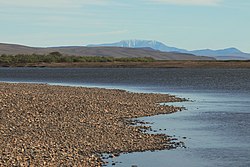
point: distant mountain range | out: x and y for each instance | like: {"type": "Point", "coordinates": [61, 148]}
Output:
{"type": "Point", "coordinates": [131, 48]}
{"type": "Point", "coordinates": [108, 51]}
{"type": "Point", "coordinates": [223, 54]}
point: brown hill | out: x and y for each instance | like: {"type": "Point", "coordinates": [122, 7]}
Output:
{"type": "Point", "coordinates": [13, 49]}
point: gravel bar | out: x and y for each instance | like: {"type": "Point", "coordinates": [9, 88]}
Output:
{"type": "Point", "coordinates": [44, 125]}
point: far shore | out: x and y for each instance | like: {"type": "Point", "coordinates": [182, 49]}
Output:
{"type": "Point", "coordinates": [44, 125]}
{"type": "Point", "coordinates": [156, 64]}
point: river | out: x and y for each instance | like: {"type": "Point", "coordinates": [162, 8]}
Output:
{"type": "Point", "coordinates": [215, 126]}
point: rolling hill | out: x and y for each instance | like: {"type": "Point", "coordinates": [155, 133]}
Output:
{"type": "Point", "coordinates": [107, 51]}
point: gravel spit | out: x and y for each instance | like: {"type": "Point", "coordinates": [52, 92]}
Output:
{"type": "Point", "coordinates": [43, 125]}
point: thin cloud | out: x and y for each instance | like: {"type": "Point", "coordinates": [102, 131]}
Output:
{"type": "Point", "coordinates": [189, 2]}
{"type": "Point", "coordinates": [45, 35]}
{"type": "Point", "coordinates": [105, 33]}
{"type": "Point", "coordinates": [53, 3]}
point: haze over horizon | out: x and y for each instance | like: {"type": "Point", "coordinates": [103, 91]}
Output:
{"type": "Point", "coordinates": [187, 24]}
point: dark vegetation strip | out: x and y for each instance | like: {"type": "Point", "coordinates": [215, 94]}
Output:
{"type": "Point", "coordinates": [56, 57]}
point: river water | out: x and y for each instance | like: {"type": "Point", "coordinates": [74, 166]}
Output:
{"type": "Point", "coordinates": [215, 127]}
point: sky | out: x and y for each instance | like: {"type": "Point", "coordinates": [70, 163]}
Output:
{"type": "Point", "coordinates": [187, 24]}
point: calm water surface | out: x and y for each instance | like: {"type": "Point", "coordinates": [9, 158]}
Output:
{"type": "Point", "coordinates": [215, 125]}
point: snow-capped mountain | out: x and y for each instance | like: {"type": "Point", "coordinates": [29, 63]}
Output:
{"type": "Point", "coordinates": [156, 45]}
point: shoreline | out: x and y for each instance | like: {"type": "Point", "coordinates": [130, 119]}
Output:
{"type": "Point", "coordinates": [53, 125]}
{"type": "Point", "coordinates": [156, 64]}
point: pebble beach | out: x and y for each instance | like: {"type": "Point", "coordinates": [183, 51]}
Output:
{"type": "Point", "coordinates": [44, 125]}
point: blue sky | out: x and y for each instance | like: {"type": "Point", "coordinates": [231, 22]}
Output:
{"type": "Point", "coordinates": [188, 24]}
